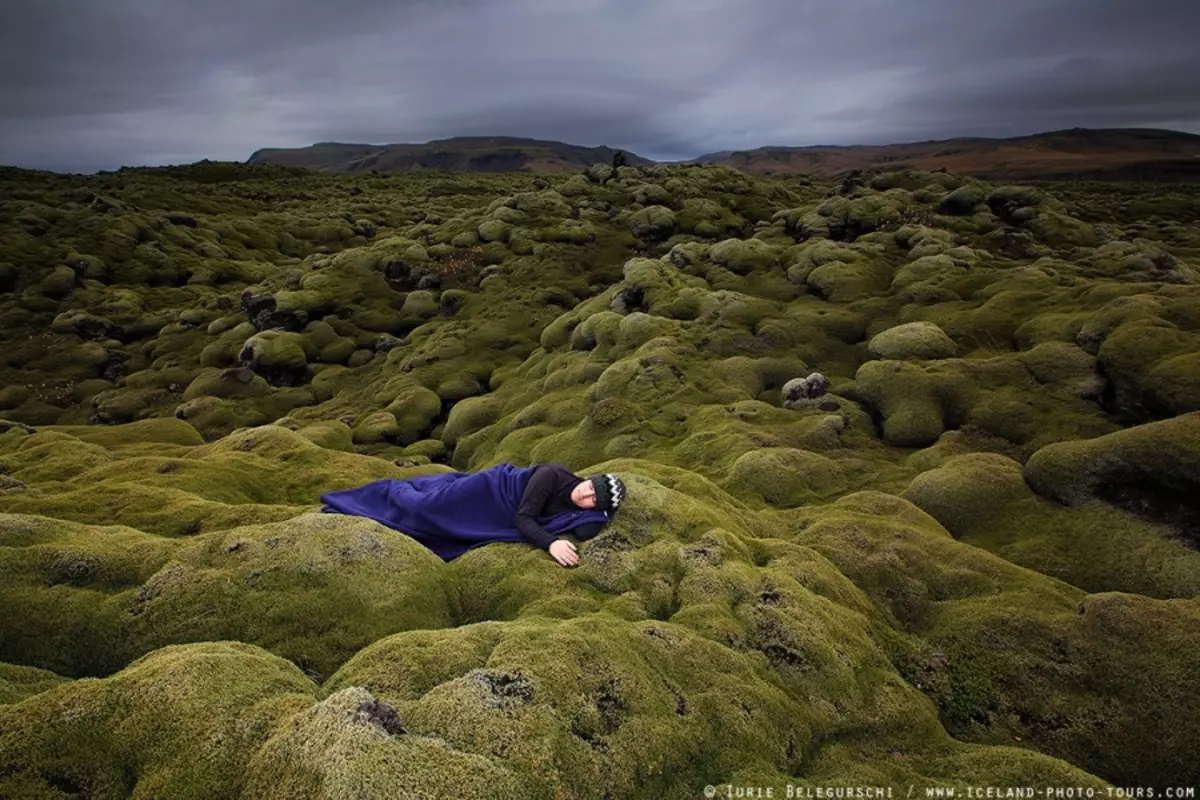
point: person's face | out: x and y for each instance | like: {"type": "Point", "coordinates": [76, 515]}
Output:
{"type": "Point", "coordinates": [584, 495]}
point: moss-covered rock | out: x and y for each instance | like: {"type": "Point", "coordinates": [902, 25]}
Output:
{"type": "Point", "coordinates": [846, 219]}
{"type": "Point", "coordinates": [786, 476]}
{"type": "Point", "coordinates": [17, 682]}
{"type": "Point", "coordinates": [413, 406]}
{"type": "Point", "coordinates": [278, 356]}
{"type": "Point", "coordinates": [59, 283]}
{"type": "Point", "coordinates": [1149, 469]}
{"type": "Point", "coordinates": [963, 200]}
{"type": "Point", "coordinates": [915, 404]}
{"type": "Point", "coordinates": [912, 340]}
{"type": "Point", "coordinates": [330, 434]}
{"type": "Point", "coordinates": [708, 218]}
{"type": "Point", "coordinates": [839, 272]}
{"type": "Point", "coordinates": [139, 730]}
{"type": "Point", "coordinates": [228, 383]}
{"type": "Point", "coordinates": [1007, 202]}
{"type": "Point", "coordinates": [422, 304]}
{"type": "Point", "coordinates": [654, 222]}
{"type": "Point", "coordinates": [1061, 230]}
{"type": "Point", "coordinates": [1149, 364]}
{"type": "Point", "coordinates": [494, 230]}
{"type": "Point", "coordinates": [469, 415]}
{"type": "Point", "coordinates": [379, 426]}
{"type": "Point", "coordinates": [742, 256]}
{"type": "Point", "coordinates": [966, 490]}
{"type": "Point", "coordinates": [1065, 366]}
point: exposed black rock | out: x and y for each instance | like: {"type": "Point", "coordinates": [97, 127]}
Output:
{"type": "Point", "coordinates": [381, 715]}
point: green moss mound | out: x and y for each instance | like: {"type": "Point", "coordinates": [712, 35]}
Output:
{"type": "Point", "coordinates": [910, 457]}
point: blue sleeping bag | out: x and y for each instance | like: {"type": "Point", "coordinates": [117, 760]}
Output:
{"type": "Point", "coordinates": [453, 512]}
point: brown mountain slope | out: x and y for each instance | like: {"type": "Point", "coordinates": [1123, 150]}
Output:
{"type": "Point", "coordinates": [461, 154]}
{"type": "Point", "coordinates": [1118, 154]}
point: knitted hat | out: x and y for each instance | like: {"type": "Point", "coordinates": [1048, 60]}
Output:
{"type": "Point", "coordinates": [610, 491]}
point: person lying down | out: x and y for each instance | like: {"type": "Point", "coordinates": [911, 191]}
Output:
{"type": "Point", "coordinates": [453, 512]}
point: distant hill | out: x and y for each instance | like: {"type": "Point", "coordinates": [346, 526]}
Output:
{"type": "Point", "coordinates": [1129, 154]}
{"type": "Point", "coordinates": [460, 154]}
{"type": "Point", "coordinates": [1077, 153]}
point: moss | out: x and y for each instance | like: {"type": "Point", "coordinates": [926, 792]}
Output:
{"type": "Point", "coordinates": [330, 434]}
{"type": "Point", "coordinates": [421, 304]}
{"type": "Point", "coordinates": [663, 288]}
{"type": "Point", "coordinates": [637, 328]}
{"type": "Point", "coordinates": [1066, 366]}
{"type": "Point", "coordinates": [346, 749]}
{"type": "Point", "coordinates": [216, 417]}
{"type": "Point", "coordinates": [12, 396]}
{"type": "Point", "coordinates": [571, 232]}
{"type": "Point", "coordinates": [843, 281]}
{"type": "Point", "coordinates": [544, 204]}
{"type": "Point", "coordinates": [278, 356]}
{"type": "Point", "coordinates": [999, 646]}
{"type": "Point", "coordinates": [1148, 469]}
{"type": "Point", "coordinates": [239, 382]}
{"type": "Point", "coordinates": [1092, 548]}
{"type": "Point", "coordinates": [339, 351]}
{"type": "Point", "coordinates": [846, 219]}
{"type": "Point", "coordinates": [1126, 306]}
{"type": "Point", "coordinates": [452, 301]}
{"type": "Point", "coordinates": [743, 256]}
{"type": "Point", "coordinates": [139, 730]}
{"type": "Point", "coordinates": [458, 386]}
{"type": "Point", "coordinates": [612, 413]}
{"type": "Point", "coordinates": [18, 683]}
{"type": "Point", "coordinates": [786, 476]}
{"type": "Point", "coordinates": [1146, 361]}
{"type": "Point", "coordinates": [709, 218]}
{"type": "Point", "coordinates": [377, 427]}
{"type": "Point", "coordinates": [599, 331]}
{"type": "Point", "coordinates": [328, 382]}
{"type": "Point", "coordinates": [912, 340]}
{"type": "Point", "coordinates": [627, 701]}
{"type": "Point", "coordinates": [1007, 201]}
{"type": "Point", "coordinates": [360, 358]}
{"type": "Point", "coordinates": [599, 173]}
{"type": "Point", "coordinates": [118, 405]}
{"type": "Point", "coordinates": [766, 605]}
{"type": "Point", "coordinates": [967, 490]}
{"type": "Point", "coordinates": [272, 585]}
{"type": "Point", "coordinates": [1061, 230]}
{"type": "Point", "coordinates": [654, 222]}
{"type": "Point", "coordinates": [914, 404]}
{"type": "Point", "coordinates": [962, 200]}
{"type": "Point", "coordinates": [59, 283]}
{"type": "Point", "coordinates": [413, 406]}
{"type": "Point", "coordinates": [687, 254]}
{"type": "Point", "coordinates": [470, 415]}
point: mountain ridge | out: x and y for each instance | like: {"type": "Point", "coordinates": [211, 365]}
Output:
{"type": "Point", "coordinates": [1072, 153]}
{"type": "Point", "coordinates": [1146, 154]}
{"type": "Point", "coordinates": [459, 154]}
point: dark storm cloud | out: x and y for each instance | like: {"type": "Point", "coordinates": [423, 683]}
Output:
{"type": "Point", "coordinates": [94, 84]}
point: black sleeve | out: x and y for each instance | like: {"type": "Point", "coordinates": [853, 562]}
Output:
{"type": "Point", "coordinates": [587, 530]}
{"type": "Point", "coordinates": [537, 492]}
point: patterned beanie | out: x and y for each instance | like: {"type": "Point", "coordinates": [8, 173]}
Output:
{"type": "Point", "coordinates": [610, 491]}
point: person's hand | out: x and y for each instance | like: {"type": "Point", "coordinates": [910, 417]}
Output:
{"type": "Point", "coordinates": [564, 552]}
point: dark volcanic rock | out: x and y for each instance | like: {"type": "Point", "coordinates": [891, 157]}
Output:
{"type": "Point", "coordinates": [260, 310]}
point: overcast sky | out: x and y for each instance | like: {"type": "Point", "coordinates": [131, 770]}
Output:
{"type": "Point", "coordinates": [98, 84]}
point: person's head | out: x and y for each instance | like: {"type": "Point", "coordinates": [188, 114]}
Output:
{"type": "Point", "coordinates": [603, 492]}
{"type": "Point", "coordinates": [584, 494]}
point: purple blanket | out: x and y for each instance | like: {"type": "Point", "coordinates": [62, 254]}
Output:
{"type": "Point", "coordinates": [453, 512]}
